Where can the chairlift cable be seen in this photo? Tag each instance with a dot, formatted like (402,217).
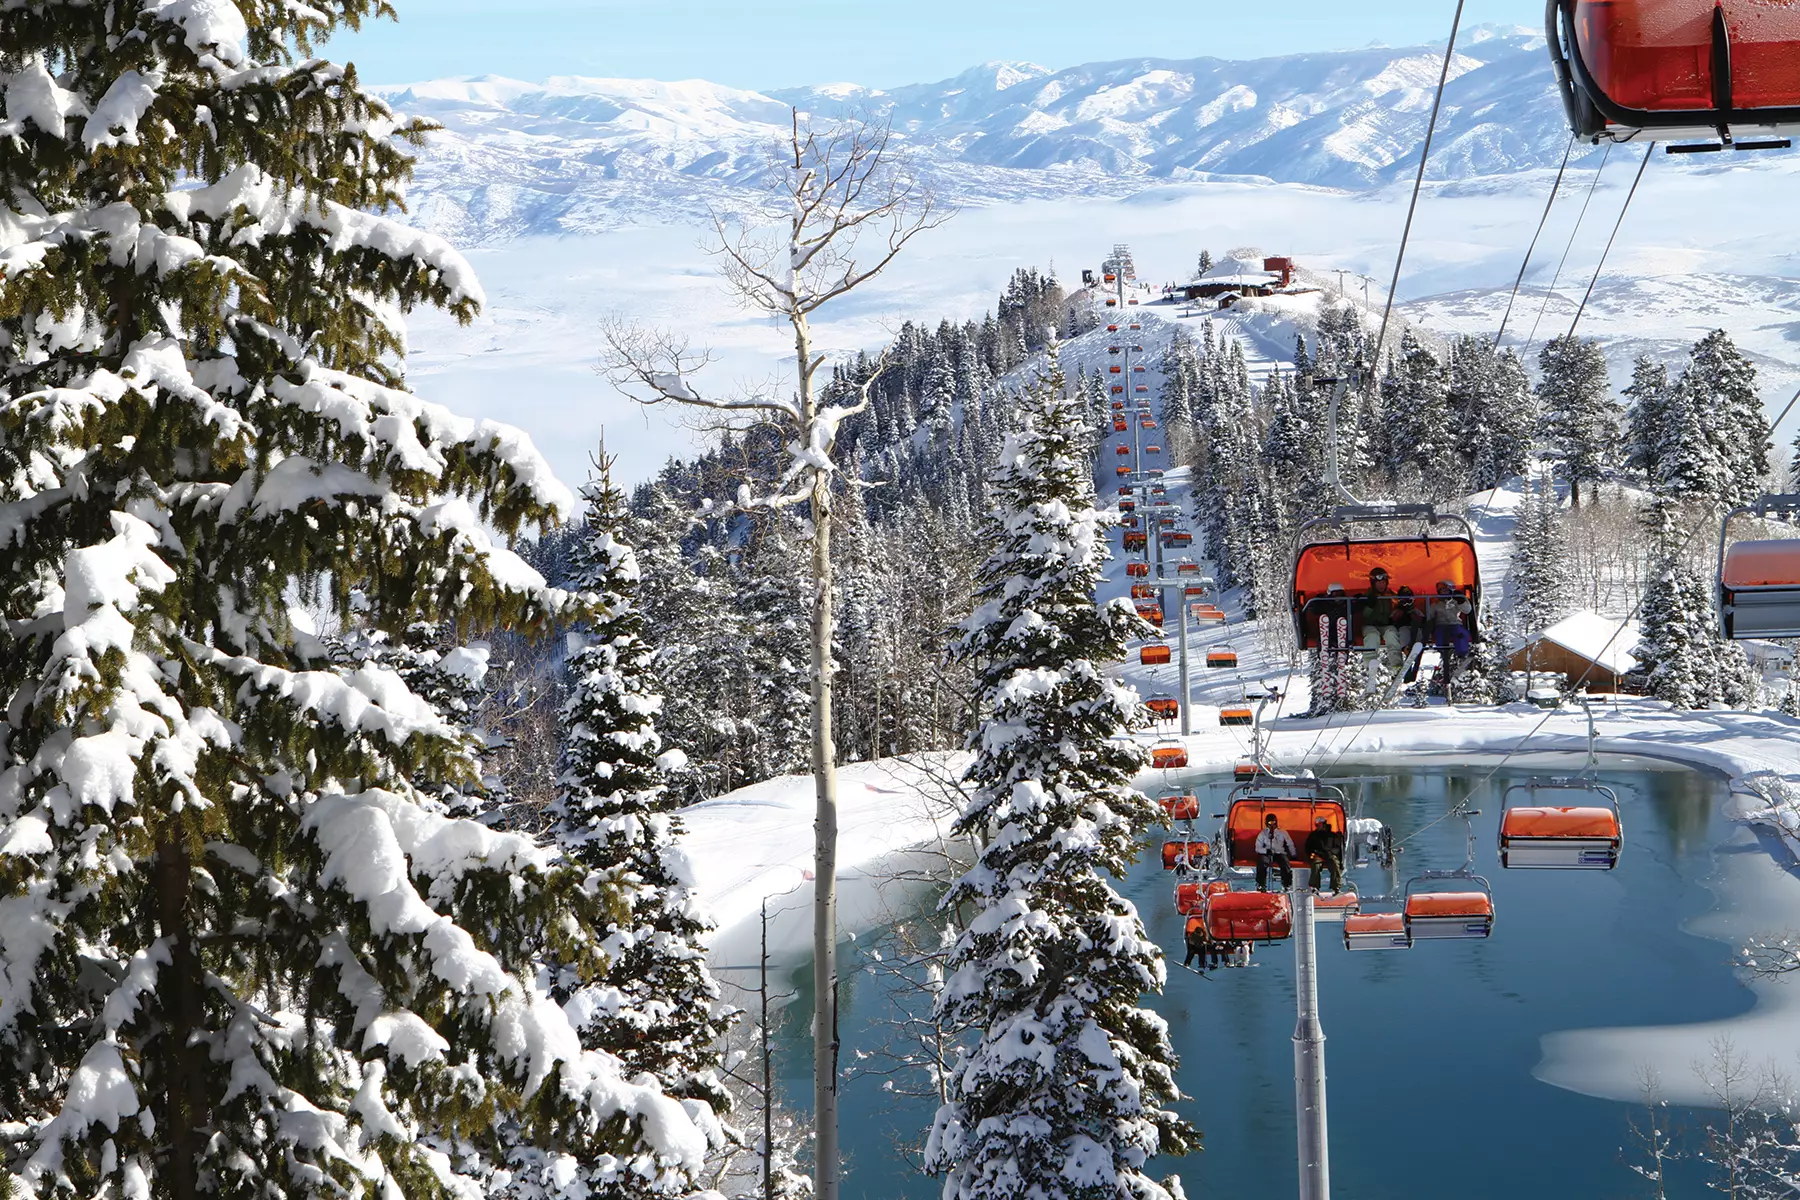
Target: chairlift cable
(1579,217)
(1635,180)
(1418,181)
(1555,190)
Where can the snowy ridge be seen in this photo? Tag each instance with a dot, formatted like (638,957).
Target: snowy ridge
(578,155)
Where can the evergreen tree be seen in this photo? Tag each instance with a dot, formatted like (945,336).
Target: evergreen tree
(244,954)
(1492,410)
(1052,959)
(1418,441)
(1721,383)
(1579,415)
(1647,417)
(1204,264)
(1688,662)
(1539,579)
(655,1006)
(772,605)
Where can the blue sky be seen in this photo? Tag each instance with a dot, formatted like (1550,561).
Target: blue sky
(780,43)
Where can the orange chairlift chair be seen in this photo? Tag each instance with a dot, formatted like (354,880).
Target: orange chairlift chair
(1165,708)
(1136,539)
(1376,931)
(1169,755)
(1113,370)
(1705,71)
(1112,329)
(1236,714)
(1443,913)
(1153,656)
(1138,369)
(1583,834)
(1221,656)
(1112,349)
(1143,591)
(1338,549)
(1333,908)
(1179,805)
(1759,580)
(1119,427)
(1137,570)
(1179,537)
(1296,804)
(1185,855)
(1248,916)
(1187,568)
(1118,389)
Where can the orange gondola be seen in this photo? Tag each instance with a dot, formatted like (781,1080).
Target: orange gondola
(1330,551)
(1169,755)
(1297,807)
(1165,707)
(1569,837)
(1153,656)
(1248,916)
(1678,70)
(1221,658)
(1180,806)
(1184,856)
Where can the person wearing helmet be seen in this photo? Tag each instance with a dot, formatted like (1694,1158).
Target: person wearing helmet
(1325,854)
(1274,847)
(1380,630)
(1444,615)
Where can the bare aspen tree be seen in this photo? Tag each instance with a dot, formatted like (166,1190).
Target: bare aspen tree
(847,209)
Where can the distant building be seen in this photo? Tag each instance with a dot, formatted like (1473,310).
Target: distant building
(1240,277)
(1593,652)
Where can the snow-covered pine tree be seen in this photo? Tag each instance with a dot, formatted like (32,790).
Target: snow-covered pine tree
(1539,580)
(1722,385)
(1679,650)
(1418,440)
(1646,415)
(1492,409)
(1204,263)
(1578,413)
(1052,961)
(772,605)
(244,957)
(654,1006)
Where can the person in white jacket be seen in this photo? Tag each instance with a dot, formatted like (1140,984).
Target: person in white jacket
(1273,845)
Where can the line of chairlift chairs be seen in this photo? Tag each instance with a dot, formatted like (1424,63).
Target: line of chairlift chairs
(1706,72)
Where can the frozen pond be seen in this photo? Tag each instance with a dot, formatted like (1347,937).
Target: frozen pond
(1431,1053)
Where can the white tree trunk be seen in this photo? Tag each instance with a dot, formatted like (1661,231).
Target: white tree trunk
(825,821)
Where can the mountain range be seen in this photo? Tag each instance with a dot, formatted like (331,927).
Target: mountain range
(578,155)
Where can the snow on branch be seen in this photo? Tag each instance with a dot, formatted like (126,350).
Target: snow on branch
(653,366)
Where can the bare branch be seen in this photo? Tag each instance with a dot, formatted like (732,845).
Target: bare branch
(654,367)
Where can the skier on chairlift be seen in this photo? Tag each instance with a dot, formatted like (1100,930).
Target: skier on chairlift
(1274,847)
(1325,855)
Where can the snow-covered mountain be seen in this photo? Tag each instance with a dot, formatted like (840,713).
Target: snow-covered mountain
(578,155)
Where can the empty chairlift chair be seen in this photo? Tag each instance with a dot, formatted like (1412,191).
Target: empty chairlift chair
(1179,537)
(1237,714)
(1560,824)
(1153,656)
(1759,580)
(1334,908)
(1248,916)
(1179,806)
(1376,931)
(1714,71)
(1462,911)
(1169,755)
(1221,656)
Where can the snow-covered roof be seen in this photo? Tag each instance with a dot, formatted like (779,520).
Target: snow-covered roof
(1240,272)
(1600,640)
